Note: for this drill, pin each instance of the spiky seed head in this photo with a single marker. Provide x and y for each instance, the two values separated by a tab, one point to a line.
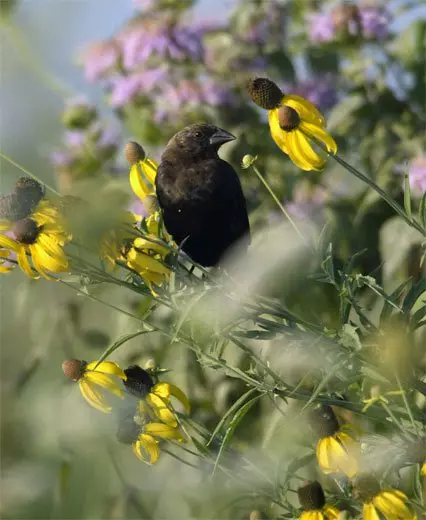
288	118
134	152
150	203
323	421
73	368
139	382
365	487
26	231
311	496
265	93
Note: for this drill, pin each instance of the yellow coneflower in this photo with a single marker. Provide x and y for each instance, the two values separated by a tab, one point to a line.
145	438
336	449
93	379
156	395
312	499
113	241
391	504
294	122
41	236
5	267
142	171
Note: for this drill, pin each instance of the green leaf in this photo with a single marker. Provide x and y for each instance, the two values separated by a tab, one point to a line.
255	334
374	375
349	337
407	195
413	295
395	296
235	421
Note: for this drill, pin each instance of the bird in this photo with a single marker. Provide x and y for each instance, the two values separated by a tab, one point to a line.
200	195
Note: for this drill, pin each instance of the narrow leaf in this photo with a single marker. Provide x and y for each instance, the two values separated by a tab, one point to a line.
407	195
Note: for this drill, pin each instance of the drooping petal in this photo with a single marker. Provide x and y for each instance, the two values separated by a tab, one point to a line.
163	431
37	263
305	109
331	512
9	243
24	264
105	381
423	470
140	185
323	455
294	153
370	513
5	225
342	456
312	515
149	245
149	167
278	135
161	409
392	504
307	152
140	261
94	396
146	448
50	245
107	367
312	130
165	390
55	264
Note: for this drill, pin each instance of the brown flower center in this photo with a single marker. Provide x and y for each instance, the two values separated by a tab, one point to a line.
138	382
73	368
265	93
288	118
26	231
365	488
134	152
311	496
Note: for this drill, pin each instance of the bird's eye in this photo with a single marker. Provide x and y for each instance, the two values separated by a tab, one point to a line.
198	135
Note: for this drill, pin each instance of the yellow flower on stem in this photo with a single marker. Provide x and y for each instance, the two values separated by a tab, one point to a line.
142	171
145	438
337	450
312	499
390	504
94	379
294	123
41	237
156	395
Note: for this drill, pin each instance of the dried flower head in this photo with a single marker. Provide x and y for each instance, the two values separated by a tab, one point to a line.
265	93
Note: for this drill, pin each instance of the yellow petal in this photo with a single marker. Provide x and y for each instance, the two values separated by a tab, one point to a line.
311	515
24	263
342	455
165	390
9	243
370	513
104	381
146	448
331	512
278	135
307	152
144	244
37	263
305	109
161	409
423	470
312	130
107	367
5	225
55	264
50	245
391	503
93	396
322	454
163	431
140	186
139	262
294	153
149	168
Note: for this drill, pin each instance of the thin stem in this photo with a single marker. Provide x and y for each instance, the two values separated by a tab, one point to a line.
24	170
277	201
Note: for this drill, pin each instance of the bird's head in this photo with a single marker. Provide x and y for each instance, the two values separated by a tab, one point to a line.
199	140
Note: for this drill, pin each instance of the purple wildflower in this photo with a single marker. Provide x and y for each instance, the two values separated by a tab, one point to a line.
374	23
61	159
321	28
126	88
75	139
137	207
319	91
100	58
108	138
417	175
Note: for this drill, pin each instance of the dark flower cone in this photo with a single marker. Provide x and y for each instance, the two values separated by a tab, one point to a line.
288	118
134	152
26	231
139	382
265	93
365	488
73	368
311	496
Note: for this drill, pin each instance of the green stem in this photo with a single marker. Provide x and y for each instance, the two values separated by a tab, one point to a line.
277	201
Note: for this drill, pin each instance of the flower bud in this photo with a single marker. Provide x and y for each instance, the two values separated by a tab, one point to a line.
323	421
139	382
265	93
73	368
288	118
134	152
311	496
248	160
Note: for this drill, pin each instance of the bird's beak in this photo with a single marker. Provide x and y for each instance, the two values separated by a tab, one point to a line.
221	137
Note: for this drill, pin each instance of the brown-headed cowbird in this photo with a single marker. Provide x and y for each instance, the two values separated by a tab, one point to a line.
200	195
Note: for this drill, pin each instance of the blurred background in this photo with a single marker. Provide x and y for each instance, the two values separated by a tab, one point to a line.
78	80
